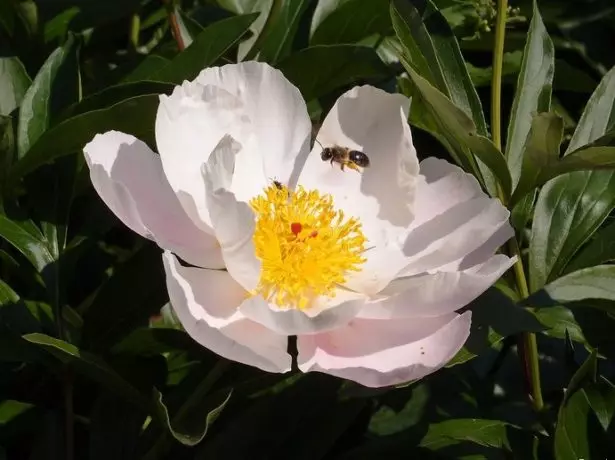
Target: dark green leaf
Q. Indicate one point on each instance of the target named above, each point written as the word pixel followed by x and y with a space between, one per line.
pixel 494 317
pixel 188 28
pixel 430 45
pixel 206 49
pixel 151 65
pixel 14 82
pixel 90 366
pixel 460 130
pixel 154 341
pixel 56 86
pixel 134 292
pixel 571 433
pixel 601 398
pixel 599 250
pixel 351 21
pixel 540 151
pixel 28 240
pixel 318 70
pixel 116 94
pixel 134 116
pixel 568 211
pixel 276 39
pixel 533 92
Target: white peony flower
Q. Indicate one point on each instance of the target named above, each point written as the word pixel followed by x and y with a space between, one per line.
pixel 367 269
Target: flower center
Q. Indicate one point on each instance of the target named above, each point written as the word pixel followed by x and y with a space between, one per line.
pixel 306 247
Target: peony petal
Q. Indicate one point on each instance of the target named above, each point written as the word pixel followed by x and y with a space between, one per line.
pixel 128 176
pixel 453 234
pixel 382 195
pixel 378 353
pixel 435 294
pixel 324 315
pixel 206 303
pixel 250 101
pixel 232 220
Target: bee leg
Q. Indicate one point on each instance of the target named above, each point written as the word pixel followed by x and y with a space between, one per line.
pixel 353 166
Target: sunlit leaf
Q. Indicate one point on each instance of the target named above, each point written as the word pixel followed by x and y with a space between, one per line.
pixel 14 82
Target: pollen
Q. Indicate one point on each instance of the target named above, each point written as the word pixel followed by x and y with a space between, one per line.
pixel 305 245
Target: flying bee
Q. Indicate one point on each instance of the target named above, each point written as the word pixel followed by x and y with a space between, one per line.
pixel 345 156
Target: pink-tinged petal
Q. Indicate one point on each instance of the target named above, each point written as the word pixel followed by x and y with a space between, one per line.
pixel 129 178
pixel 206 302
pixel 232 220
pixel 442 187
pixel 378 353
pixel 453 234
pixel 382 195
pixel 325 314
pixel 250 101
pixel 435 294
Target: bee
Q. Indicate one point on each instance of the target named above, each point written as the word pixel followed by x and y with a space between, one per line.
pixel 278 184
pixel 353 159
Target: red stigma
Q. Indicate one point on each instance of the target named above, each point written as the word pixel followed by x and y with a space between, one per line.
pixel 314 234
pixel 296 228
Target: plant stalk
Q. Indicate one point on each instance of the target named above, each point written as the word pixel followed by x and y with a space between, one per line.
pixel 174 24
pixel 528 347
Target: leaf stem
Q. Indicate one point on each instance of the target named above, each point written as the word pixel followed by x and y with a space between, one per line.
pixel 528 348
pixel 174 24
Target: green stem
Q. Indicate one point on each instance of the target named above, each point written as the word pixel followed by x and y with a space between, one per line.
pixel 528 349
pixel 135 29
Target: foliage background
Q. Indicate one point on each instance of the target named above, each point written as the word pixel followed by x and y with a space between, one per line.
pixel 92 362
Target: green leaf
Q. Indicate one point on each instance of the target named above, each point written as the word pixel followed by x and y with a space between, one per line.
pixel 154 341
pixel 460 130
pixel 494 317
pixel 276 39
pixel 207 48
pixel 350 22
pixel 14 82
pixel 539 153
pixel 317 70
pixel 569 209
pixel 431 47
pixel 151 65
pixel 90 366
pixel 116 94
pixel 533 92
pixel 28 240
pixel 598 118
pixel 134 292
pixel 601 398
pixel 559 321
pixel 588 283
pixel 188 28
pixel 571 433
pixel 599 250
pixel 488 433
pixel 134 116
pixel 56 86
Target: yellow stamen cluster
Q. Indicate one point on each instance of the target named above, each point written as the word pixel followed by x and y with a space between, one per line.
pixel 306 247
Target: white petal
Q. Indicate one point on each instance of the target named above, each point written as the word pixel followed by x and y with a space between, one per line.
pixel 374 122
pixel 128 176
pixel 232 220
pixel 453 234
pixel 378 353
pixel 435 294
pixel 324 315
pixel 250 101
pixel 206 302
